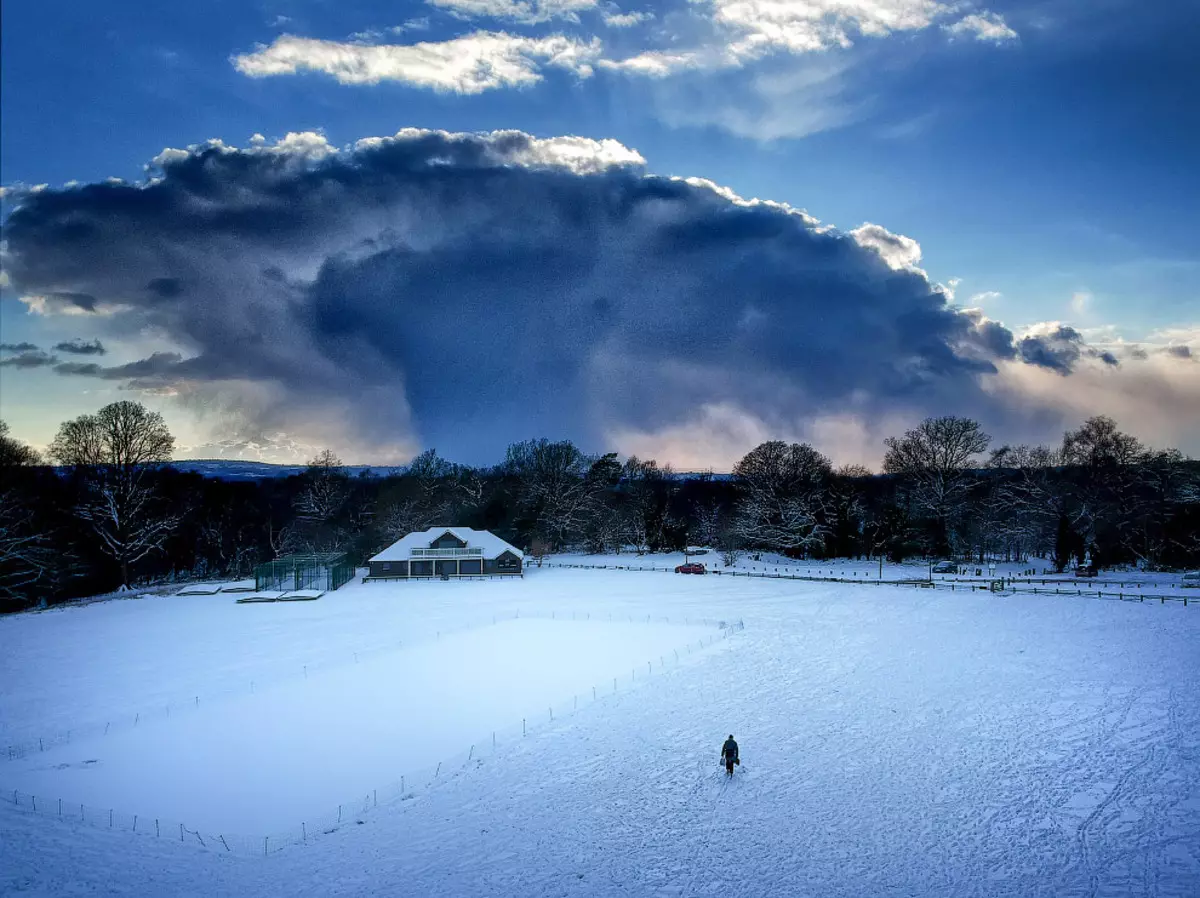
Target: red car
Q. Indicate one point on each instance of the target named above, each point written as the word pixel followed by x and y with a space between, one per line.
pixel 693 567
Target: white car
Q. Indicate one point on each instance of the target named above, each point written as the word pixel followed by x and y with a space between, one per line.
pixel 1191 580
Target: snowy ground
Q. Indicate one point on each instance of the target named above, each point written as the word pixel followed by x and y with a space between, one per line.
pixel 895 741
pixel 305 745
pixel 1034 573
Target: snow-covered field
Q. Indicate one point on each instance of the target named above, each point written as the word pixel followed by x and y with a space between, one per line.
pixel 1036 572
pixel 895 741
pixel 273 758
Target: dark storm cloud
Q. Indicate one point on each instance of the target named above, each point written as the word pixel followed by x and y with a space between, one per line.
pixel 165 288
pixel 18 347
pixel 81 347
pixel 83 301
pixel 479 289
pixel 28 359
pixel 1059 349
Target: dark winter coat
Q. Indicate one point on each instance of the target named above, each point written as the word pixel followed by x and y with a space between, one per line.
pixel 729 751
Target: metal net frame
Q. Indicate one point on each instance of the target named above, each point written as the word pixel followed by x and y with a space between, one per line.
pixel 325 571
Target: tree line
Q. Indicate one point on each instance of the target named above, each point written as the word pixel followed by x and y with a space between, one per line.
pixel 104 509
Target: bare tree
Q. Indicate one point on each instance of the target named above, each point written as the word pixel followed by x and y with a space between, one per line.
pixel 116 452
pixel 26 556
pixel 934 459
pixel 554 492
pixel 14 453
pixel 784 491
pixel 427 495
pixel 646 492
pixel 1102 467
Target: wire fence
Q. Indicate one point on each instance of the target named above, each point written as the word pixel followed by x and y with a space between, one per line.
pixel 353 811
pixel 1000 585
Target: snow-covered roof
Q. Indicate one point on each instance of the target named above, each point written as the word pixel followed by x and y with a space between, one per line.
pixel 492 545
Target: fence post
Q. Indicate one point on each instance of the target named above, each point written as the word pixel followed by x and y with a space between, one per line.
pixel 522 726
pixel 157 831
pixel 60 807
pixel 181 832
pixel 438 772
pixel 471 753
pixel 265 845
pixel 110 816
pixel 135 822
pixel 303 832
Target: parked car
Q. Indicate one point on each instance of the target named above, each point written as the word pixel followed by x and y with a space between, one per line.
pixel 945 567
pixel 693 567
pixel 1191 580
pixel 1086 570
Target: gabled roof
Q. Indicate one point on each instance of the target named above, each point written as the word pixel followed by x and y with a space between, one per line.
pixel 492 545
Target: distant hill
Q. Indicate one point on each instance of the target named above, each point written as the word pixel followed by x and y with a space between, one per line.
pixel 239 469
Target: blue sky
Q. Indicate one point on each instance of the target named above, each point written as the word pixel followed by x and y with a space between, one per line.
pixel 1041 154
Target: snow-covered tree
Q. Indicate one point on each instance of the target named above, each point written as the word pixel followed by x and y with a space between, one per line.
pixel 934 460
pixel 553 491
pixel 26 555
pixel 116 453
pixel 783 495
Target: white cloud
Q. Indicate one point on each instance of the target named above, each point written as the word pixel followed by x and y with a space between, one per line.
pixel 1080 301
pixel 950 288
pixel 580 155
pixel 660 63
pixel 49 305
pixel 418 24
pixel 985 26
pixel 470 64
pixel 626 19
pixel 806 26
pixel 721 433
pixel 899 252
pixel 525 12
pixel 728 194
pixel 1157 399
pixel 807 97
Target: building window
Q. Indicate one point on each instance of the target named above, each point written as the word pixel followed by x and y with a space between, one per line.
pixel 387 565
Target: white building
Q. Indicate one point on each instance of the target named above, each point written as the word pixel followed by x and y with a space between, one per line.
pixel 447 552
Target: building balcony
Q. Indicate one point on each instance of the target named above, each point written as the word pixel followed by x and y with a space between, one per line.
pixel 468 552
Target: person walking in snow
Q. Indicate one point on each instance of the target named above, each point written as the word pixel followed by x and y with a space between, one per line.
pixel 729 755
